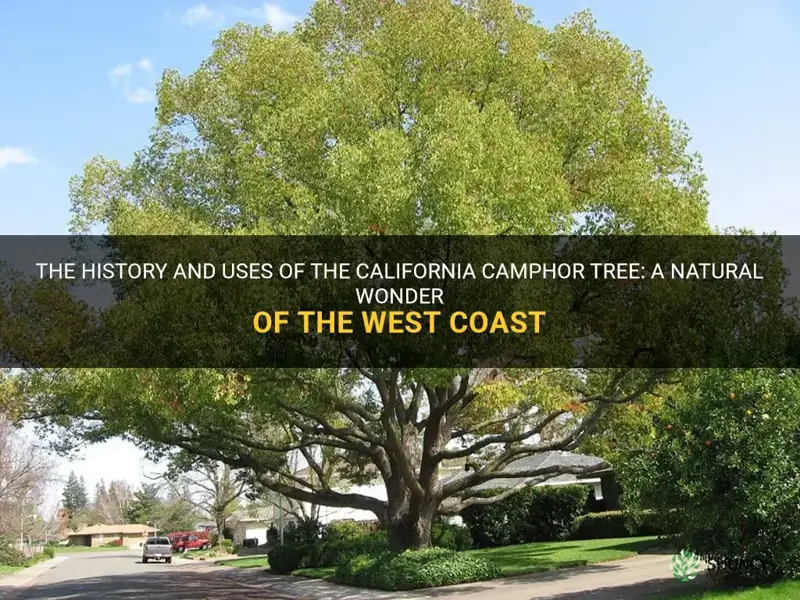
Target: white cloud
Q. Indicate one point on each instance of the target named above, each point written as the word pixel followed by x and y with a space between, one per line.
pixel 202 15
pixel 121 71
pixel 139 95
pixel 273 14
pixel 122 75
pixel 10 155
pixel 279 19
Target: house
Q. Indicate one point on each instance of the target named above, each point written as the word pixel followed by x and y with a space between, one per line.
pixel 252 527
pixel 254 523
pixel 455 470
pixel 98 535
pixel 610 491
pixel 553 458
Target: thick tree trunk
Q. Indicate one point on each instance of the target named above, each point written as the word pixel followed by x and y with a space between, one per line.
pixel 220 523
pixel 410 527
pixel 405 535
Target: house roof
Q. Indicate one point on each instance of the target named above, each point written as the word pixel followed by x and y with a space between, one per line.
pixel 127 529
pixel 455 470
pixel 538 461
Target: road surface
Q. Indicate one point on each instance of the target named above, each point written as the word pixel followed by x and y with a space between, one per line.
pixel 122 576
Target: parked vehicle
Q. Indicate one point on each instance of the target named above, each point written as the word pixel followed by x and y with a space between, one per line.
pixel 183 541
pixel 157 548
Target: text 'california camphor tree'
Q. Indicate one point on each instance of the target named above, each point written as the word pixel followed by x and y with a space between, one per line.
pixel 417 117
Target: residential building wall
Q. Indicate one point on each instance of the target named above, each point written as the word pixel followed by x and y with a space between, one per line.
pixel 132 540
pixel 251 529
pixel 129 540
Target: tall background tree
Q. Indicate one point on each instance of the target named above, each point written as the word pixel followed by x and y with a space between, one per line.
pixel 74 496
pixel 415 117
pixel 112 503
pixel 26 472
pixel 168 510
pixel 212 488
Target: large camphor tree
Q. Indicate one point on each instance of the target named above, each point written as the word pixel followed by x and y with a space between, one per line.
pixel 414 117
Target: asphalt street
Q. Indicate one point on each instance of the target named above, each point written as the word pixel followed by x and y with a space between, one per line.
pixel 122 576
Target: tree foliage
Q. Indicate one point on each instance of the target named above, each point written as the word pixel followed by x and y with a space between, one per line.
pixel 424 116
pixel 113 502
pixel 74 496
pixel 724 471
pixel 417 117
pixel 212 488
pixel 168 512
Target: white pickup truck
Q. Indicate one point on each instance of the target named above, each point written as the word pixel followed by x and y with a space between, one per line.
pixel 157 548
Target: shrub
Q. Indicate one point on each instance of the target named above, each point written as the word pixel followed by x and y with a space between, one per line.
pixel 344 530
pixel 303 531
pixel 619 524
pixel 595 526
pixel 113 543
pixel 453 537
pixel 10 556
pixel 49 551
pixel 287 558
pixel 534 514
pixel 726 462
pixel 333 552
pixel 415 569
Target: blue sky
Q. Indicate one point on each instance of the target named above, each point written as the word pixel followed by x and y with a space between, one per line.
pixel 78 77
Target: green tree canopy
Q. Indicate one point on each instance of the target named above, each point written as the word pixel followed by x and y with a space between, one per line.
pixel 723 470
pixel 413 117
pixel 423 116
pixel 74 497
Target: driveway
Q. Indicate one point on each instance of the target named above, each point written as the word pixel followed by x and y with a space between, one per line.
pixel 122 576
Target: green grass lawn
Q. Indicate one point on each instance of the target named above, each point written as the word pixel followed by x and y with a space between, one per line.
pixel 547 556
pixel 246 562
pixel 542 556
pixel 787 590
pixel 6 570
pixel 315 572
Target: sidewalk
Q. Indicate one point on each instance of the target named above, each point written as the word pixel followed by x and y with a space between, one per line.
pixel 631 579
pixel 26 576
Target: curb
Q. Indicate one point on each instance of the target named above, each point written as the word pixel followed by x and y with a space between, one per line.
pixel 31 574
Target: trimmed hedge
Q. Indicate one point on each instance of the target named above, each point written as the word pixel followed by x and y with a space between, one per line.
pixel 452 537
pixel 333 551
pixel 534 514
pixel 287 558
pixel 616 524
pixel 415 569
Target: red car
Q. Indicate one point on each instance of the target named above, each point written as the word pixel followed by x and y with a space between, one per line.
pixel 183 541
